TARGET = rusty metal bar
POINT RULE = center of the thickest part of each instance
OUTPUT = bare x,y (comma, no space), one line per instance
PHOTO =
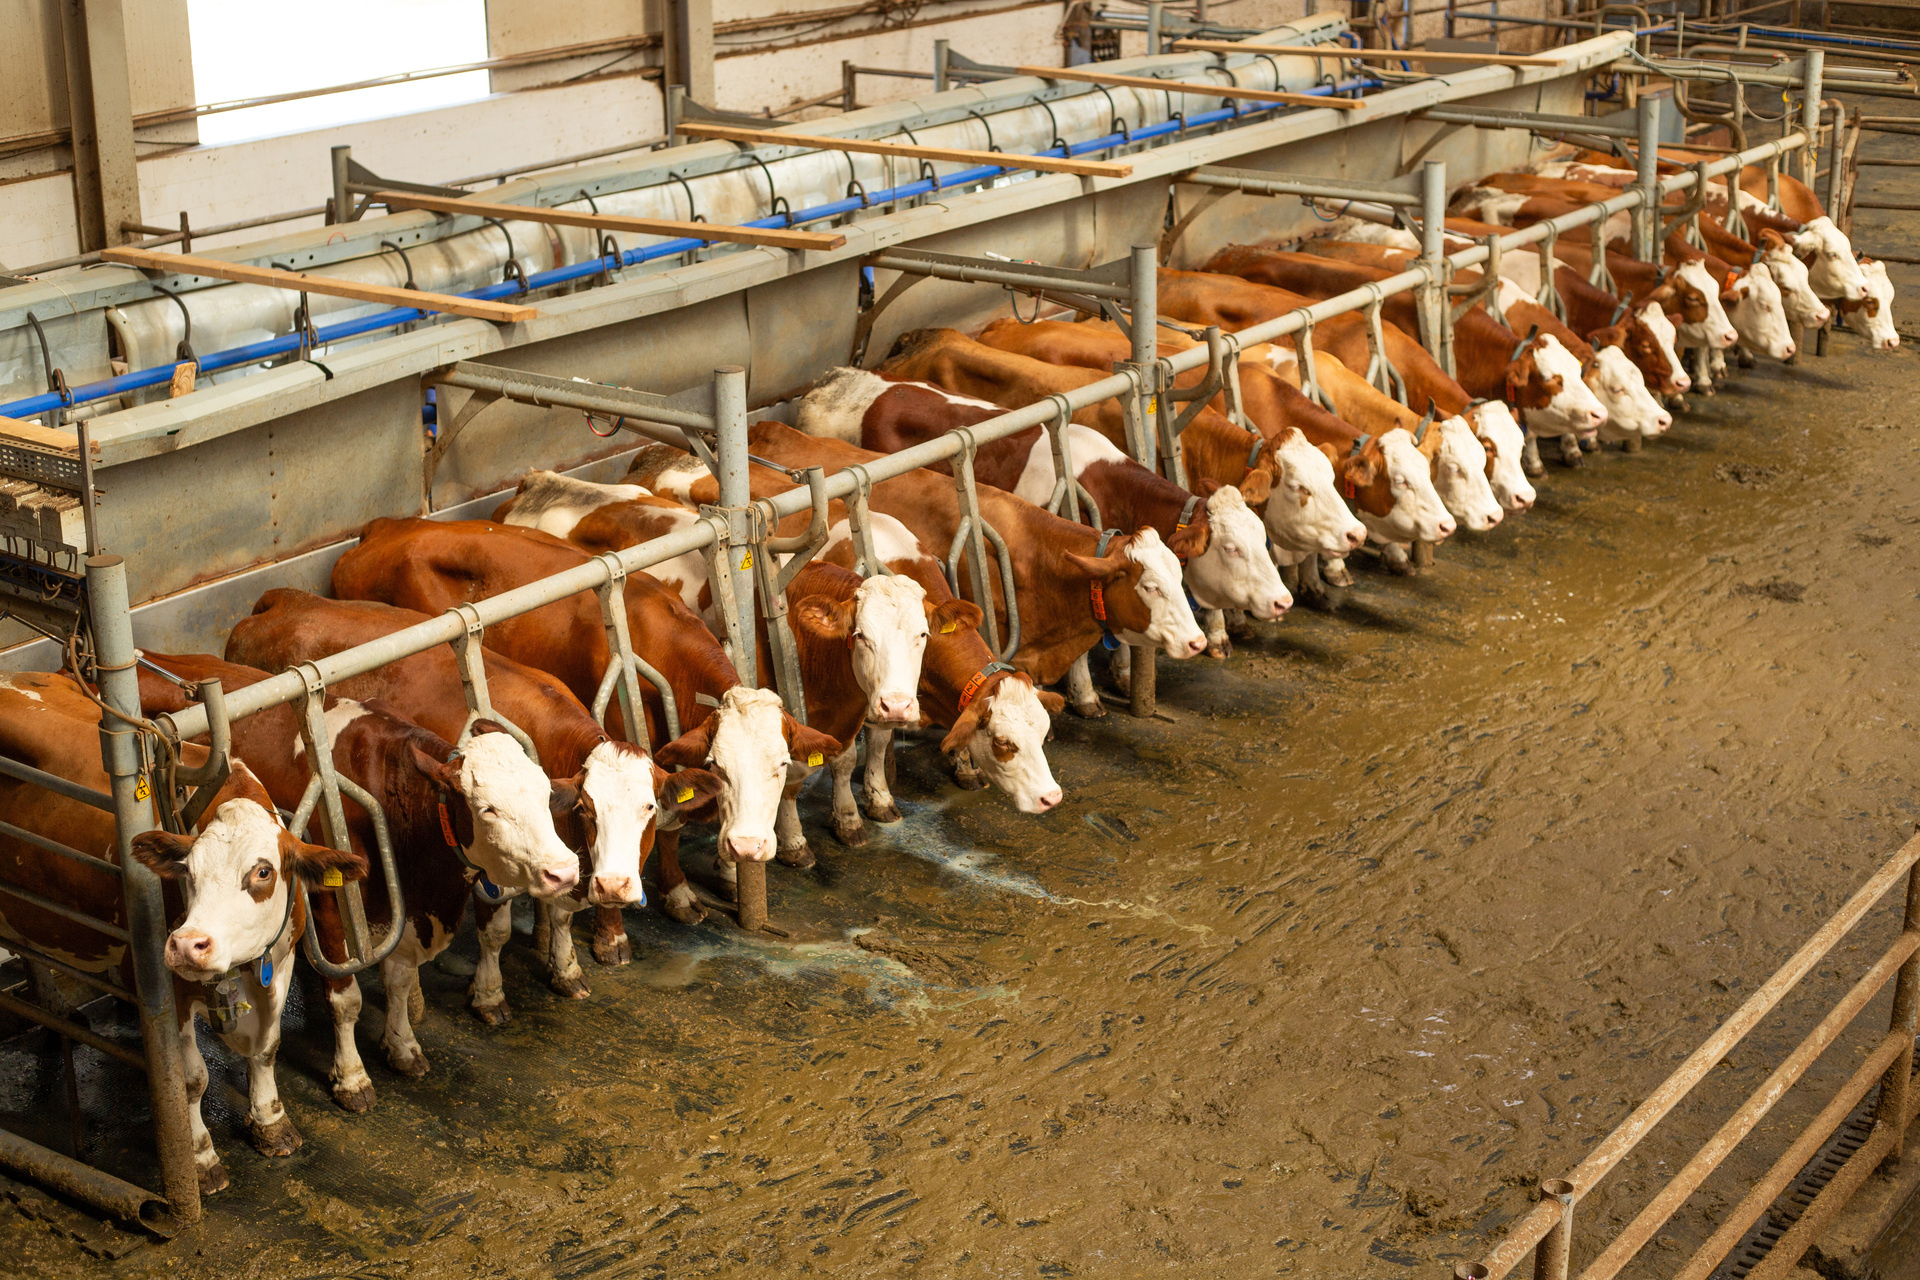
71,1030
87,1184
1555,1252
1529,1231
113,931
56,784
1906,1005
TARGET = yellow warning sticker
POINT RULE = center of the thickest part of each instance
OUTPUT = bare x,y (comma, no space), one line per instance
332,879
746,561
815,759
1153,404
140,788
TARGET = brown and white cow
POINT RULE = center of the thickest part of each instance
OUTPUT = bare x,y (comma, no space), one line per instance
238,876
746,740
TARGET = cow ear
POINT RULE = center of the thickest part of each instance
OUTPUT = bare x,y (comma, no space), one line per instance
163,853
436,771
954,616
809,745
566,794
1052,701
824,619
1660,297
1361,471
1207,487
1256,486
1105,570
969,722
1333,454
314,862
691,747
486,726
688,789
1192,541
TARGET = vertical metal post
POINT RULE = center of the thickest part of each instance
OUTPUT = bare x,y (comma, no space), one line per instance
848,85
1894,1086
690,47
1435,318
736,498
1810,114
1155,13
1145,282
676,112
1646,218
106,185
146,908
940,50
342,198
1553,1254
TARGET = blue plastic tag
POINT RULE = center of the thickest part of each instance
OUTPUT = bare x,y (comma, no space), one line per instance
1109,641
489,888
266,971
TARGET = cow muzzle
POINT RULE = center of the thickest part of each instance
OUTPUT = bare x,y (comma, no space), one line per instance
893,709
551,883
750,848
190,953
615,891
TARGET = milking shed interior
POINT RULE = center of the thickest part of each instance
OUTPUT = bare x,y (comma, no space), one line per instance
315,400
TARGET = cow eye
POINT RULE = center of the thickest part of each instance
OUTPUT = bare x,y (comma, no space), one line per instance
263,872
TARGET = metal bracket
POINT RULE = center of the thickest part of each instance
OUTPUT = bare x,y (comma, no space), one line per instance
470,658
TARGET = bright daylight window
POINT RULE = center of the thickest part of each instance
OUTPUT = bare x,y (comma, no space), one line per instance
246,49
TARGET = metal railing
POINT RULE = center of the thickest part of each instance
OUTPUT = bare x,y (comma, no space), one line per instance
1547,1231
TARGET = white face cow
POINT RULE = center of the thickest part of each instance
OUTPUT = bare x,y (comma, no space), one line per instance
1803,306
1753,304
1832,270
1235,571
1877,310
1493,421
885,626
1655,317
1574,409
1418,515
1172,629
1631,408
1460,476
618,786
1304,512
1005,729
1716,332
745,743
510,801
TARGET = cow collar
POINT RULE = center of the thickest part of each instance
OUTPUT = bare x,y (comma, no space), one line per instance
978,680
1531,335
1186,518
226,1002
1253,450
475,876
1420,432
1107,638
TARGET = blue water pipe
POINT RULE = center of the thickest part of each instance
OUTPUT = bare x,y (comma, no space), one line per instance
254,352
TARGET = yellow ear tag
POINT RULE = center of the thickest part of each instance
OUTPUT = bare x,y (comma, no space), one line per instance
332,879
815,759
949,629
686,794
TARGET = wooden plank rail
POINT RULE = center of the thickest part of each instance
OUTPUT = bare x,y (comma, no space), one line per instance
778,239
905,150
1375,55
1199,88
330,286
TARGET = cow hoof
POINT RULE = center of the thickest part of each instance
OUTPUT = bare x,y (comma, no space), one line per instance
1532,465
414,1064
888,812
851,834
277,1139
354,1101
1401,568
573,988
1744,358
1089,710
1677,403
802,856
1572,458
1590,444
213,1179
682,908
1336,577
1221,648
613,950
494,1015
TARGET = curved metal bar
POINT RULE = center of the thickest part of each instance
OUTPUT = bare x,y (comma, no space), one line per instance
1006,582
1549,295
383,840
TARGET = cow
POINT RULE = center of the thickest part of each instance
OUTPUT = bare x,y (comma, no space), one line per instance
998,722
497,807
1876,308
745,738
616,789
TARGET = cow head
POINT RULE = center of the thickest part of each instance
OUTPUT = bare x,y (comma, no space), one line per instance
747,744
1235,571
1304,511
1005,730
1832,270
1503,440
1547,371
499,810
1876,309
1653,316
237,875
885,626
1752,302
1139,582
1631,408
1803,305
1415,512
616,797
1703,323
1458,462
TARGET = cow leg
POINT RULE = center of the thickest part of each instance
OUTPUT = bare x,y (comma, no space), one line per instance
563,962
1218,646
847,827
1530,463
1570,452
1312,586
1290,576
1120,670
1333,572
1239,625
1080,693
878,781
610,943
213,1175
487,994
257,1039
352,1087
1742,356
677,901
401,973
729,872
790,838
1394,555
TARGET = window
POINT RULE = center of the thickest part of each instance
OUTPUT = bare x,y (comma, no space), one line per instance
244,49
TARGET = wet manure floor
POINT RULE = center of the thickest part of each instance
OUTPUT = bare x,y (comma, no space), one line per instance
1394,914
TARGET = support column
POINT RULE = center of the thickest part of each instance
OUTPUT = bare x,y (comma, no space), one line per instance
690,48
1145,265
1810,115
730,451
106,184
1435,318
146,911
1646,218
342,158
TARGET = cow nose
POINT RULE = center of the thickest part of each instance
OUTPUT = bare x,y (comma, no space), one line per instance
1048,800
750,848
1495,518
1519,502
553,883
1787,352
1681,382
1278,609
896,707
1196,646
1730,337
610,891
1662,420
1356,537
191,948
1446,527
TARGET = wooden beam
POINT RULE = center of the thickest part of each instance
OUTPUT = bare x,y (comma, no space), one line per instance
613,221
905,150
330,286
1375,55
1200,88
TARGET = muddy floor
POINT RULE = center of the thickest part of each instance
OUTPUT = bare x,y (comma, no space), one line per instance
1392,915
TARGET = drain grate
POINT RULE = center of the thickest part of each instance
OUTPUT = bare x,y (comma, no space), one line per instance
1817,1173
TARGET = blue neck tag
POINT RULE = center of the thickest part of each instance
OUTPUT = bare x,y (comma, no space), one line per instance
489,888
266,971
1109,641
